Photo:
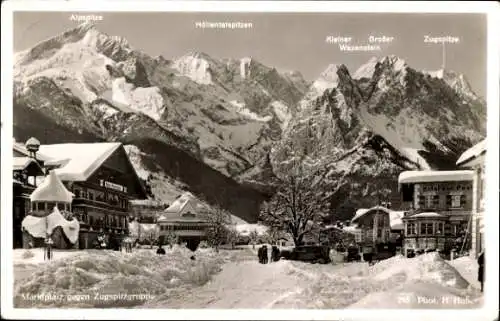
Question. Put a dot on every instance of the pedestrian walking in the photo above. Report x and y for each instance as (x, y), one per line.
(259, 255)
(480, 271)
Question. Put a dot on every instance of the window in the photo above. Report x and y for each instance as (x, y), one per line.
(411, 229)
(455, 201)
(428, 201)
(77, 192)
(440, 228)
(448, 200)
(435, 201)
(421, 201)
(426, 228)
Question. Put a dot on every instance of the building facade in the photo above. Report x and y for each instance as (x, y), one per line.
(474, 159)
(27, 166)
(103, 181)
(184, 221)
(101, 178)
(381, 229)
(439, 207)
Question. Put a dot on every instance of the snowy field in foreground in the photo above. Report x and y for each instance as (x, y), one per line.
(79, 275)
(234, 279)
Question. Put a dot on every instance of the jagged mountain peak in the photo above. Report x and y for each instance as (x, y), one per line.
(197, 66)
(367, 69)
(394, 61)
(329, 78)
(455, 80)
(83, 37)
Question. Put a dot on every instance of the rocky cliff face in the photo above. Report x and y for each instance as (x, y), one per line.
(361, 131)
(237, 124)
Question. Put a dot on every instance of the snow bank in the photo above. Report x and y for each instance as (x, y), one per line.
(397, 282)
(35, 256)
(102, 272)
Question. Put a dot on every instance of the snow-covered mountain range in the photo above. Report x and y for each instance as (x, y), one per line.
(224, 128)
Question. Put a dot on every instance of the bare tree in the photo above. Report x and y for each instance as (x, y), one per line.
(218, 219)
(171, 238)
(300, 204)
(232, 236)
(253, 237)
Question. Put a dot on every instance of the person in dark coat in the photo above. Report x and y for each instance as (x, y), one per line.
(275, 254)
(160, 251)
(480, 272)
(259, 255)
(265, 258)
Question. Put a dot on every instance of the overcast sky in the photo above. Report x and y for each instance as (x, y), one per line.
(286, 41)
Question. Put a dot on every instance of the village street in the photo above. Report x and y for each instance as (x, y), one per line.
(289, 284)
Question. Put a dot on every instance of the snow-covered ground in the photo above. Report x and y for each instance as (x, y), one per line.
(468, 268)
(73, 279)
(234, 279)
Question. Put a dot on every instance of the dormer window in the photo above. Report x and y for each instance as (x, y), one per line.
(189, 214)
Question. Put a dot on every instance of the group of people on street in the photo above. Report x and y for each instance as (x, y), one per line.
(263, 255)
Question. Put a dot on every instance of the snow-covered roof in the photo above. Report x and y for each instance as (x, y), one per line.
(20, 163)
(184, 204)
(147, 202)
(362, 211)
(51, 190)
(395, 217)
(246, 229)
(352, 229)
(39, 227)
(396, 220)
(434, 176)
(81, 159)
(21, 149)
(472, 152)
(427, 215)
(180, 203)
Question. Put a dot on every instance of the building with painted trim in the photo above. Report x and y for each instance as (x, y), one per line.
(185, 220)
(474, 159)
(439, 207)
(381, 228)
